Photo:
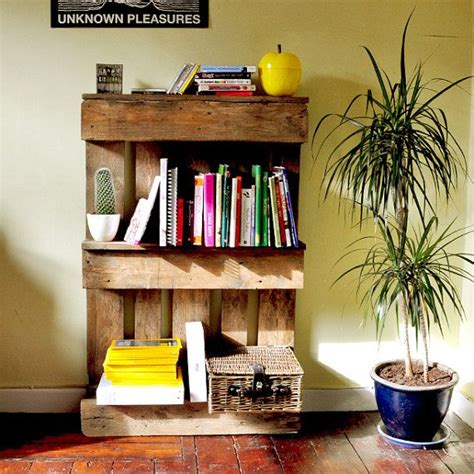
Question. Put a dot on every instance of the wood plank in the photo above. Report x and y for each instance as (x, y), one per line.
(148, 314)
(234, 315)
(189, 119)
(147, 166)
(276, 317)
(187, 419)
(216, 454)
(187, 270)
(189, 305)
(104, 323)
(112, 156)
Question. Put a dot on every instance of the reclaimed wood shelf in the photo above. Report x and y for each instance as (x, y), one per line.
(129, 134)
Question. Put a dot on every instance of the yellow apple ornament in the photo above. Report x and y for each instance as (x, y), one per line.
(280, 73)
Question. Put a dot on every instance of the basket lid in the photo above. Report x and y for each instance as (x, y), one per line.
(276, 360)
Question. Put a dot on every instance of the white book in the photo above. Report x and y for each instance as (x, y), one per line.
(163, 200)
(172, 211)
(218, 212)
(198, 208)
(233, 213)
(142, 213)
(246, 218)
(196, 355)
(109, 394)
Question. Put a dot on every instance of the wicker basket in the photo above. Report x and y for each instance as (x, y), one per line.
(255, 379)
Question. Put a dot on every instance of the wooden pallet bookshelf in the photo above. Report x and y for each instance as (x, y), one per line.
(129, 134)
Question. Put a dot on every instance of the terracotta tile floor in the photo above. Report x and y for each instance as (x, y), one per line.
(328, 442)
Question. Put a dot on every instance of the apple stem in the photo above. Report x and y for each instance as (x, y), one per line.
(279, 49)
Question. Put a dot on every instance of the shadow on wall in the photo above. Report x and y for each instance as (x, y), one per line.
(28, 330)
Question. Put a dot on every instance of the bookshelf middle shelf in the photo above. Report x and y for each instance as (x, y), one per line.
(118, 265)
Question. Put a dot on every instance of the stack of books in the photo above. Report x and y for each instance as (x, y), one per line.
(225, 80)
(141, 372)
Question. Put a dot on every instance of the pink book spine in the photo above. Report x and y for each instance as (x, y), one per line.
(209, 214)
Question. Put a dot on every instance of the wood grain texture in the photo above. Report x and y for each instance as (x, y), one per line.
(192, 270)
(187, 419)
(234, 315)
(189, 305)
(147, 166)
(148, 314)
(276, 317)
(104, 323)
(199, 118)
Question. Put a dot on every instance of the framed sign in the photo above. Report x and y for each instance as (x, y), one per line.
(129, 13)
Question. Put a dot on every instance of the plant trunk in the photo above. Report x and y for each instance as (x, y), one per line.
(404, 336)
(402, 215)
(424, 337)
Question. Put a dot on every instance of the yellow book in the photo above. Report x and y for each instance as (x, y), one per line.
(144, 348)
(137, 378)
(130, 369)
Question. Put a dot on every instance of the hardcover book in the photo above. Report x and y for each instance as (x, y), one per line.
(209, 214)
(160, 394)
(198, 208)
(274, 211)
(246, 217)
(196, 357)
(218, 207)
(163, 200)
(141, 216)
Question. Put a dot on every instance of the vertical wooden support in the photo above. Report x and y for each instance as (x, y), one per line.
(148, 314)
(276, 317)
(112, 156)
(189, 305)
(147, 166)
(104, 323)
(234, 315)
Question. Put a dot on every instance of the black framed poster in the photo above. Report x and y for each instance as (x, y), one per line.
(129, 13)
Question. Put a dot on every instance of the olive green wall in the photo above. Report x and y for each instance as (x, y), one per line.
(42, 177)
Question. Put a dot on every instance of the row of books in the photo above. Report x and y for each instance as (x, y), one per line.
(219, 80)
(219, 211)
(137, 372)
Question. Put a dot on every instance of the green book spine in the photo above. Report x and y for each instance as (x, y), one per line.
(265, 209)
(257, 174)
(226, 184)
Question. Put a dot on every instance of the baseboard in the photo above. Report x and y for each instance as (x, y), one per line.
(343, 399)
(41, 400)
(67, 400)
(463, 407)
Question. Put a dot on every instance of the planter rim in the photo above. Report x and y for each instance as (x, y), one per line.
(407, 388)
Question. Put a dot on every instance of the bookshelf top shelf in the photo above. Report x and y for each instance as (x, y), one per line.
(141, 118)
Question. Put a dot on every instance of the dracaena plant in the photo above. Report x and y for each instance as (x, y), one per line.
(392, 162)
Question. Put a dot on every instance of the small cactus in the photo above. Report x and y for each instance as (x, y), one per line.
(104, 192)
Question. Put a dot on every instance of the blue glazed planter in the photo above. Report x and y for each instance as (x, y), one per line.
(412, 413)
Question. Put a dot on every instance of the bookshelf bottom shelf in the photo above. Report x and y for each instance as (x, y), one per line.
(179, 420)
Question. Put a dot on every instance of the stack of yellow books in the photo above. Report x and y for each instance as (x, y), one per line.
(143, 362)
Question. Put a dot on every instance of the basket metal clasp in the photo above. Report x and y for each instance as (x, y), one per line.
(260, 387)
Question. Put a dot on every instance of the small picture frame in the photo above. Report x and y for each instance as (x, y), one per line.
(109, 78)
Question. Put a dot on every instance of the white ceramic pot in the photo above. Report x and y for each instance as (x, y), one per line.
(103, 227)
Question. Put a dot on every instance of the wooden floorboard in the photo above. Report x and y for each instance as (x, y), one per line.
(327, 443)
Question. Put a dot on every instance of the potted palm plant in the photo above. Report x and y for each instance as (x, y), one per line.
(391, 162)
